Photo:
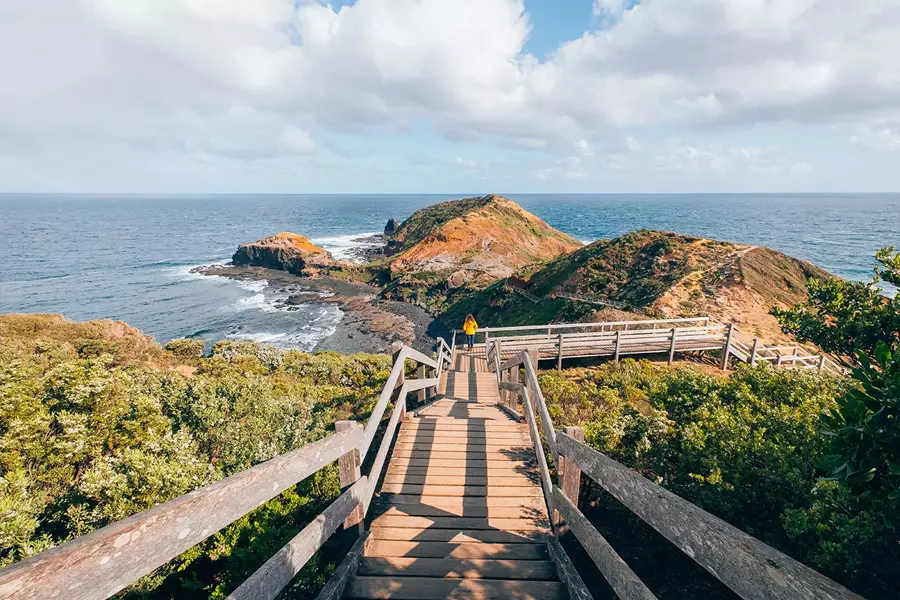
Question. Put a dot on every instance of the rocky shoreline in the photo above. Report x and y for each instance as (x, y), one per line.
(369, 324)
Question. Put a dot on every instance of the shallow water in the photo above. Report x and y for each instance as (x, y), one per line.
(130, 257)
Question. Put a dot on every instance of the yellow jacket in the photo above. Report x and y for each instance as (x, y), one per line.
(470, 327)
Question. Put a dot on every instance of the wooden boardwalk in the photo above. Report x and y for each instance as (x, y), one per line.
(460, 513)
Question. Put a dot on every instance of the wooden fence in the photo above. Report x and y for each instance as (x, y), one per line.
(752, 569)
(616, 339)
(106, 561)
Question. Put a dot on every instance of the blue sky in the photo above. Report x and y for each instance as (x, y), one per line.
(449, 96)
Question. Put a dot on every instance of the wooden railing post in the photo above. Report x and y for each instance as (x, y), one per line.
(487, 342)
(421, 396)
(559, 357)
(619, 343)
(514, 378)
(396, 348)
(672, 346)
(569, 479)
(753, 351)
(779, 360)
(349, 465)
(726, 350)
(821, 362)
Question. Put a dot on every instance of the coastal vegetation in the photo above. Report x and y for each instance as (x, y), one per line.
(745, 447)
(97, 422)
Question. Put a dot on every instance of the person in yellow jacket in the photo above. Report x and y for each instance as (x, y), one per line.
(469, 328)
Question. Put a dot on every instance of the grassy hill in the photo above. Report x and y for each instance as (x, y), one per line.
(454, 247)
(653, 273)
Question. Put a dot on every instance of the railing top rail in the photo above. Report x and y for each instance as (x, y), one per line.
(105, 561)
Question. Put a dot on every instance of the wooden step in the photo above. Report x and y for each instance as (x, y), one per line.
(463, 456)
(463, 445)
(464, 480)
(454, 502)
(454, 568)
(425, 459)
(501, 435)
(425, 588)
(482, 512)
(417, 549)
(460, 490)
(442, 424)
(464, 470)
(458, 522)
(458, 536)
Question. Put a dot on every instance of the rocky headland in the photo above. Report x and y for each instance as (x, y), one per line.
(469, 255)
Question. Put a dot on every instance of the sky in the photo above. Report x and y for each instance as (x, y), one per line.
(449, 96)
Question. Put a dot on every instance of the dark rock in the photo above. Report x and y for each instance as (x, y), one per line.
(287, 252)
(391, 227)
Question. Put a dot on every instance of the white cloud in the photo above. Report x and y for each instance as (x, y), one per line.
(584, 148)
(168, 73)
(465, 164)
(693, 160)
(297, 140)
(633, 144)
(879, 137)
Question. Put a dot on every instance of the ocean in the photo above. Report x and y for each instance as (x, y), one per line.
(130, 257)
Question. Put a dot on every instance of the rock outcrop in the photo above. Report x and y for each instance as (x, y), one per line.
(474, 241)
(390, 227)
(288, 252)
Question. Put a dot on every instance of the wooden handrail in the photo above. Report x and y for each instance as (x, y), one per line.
(103, 562)
(752, 569)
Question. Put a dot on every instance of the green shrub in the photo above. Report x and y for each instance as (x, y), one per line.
(186, 348)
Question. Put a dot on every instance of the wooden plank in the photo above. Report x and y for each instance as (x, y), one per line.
(465, 550)
(334, 587)
(422, 459)
(424, 588)
(466, 470)
(463, 445)
(459, 536)
(453, 568)
(477, 491)
(442, 435)
(460, 522)
(272, 577)
(621, 578)
(482, 512)
(752, 569)
(452, 503)
(416, 479)
(518, 454)
(101, 563)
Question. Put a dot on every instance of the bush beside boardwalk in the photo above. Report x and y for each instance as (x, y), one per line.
(97, 423)
(743, 447)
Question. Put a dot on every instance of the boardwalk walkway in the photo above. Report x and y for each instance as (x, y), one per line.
(460, 513)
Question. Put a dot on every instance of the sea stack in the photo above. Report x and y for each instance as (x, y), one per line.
(390, 227)
(287, 252)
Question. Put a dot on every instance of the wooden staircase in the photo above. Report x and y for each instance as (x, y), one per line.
(460, 513)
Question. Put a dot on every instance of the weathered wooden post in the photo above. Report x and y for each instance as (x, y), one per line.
(726, 349)
(618, 344)
(753, 351)
(779, 360)
(512, 397)
(560, 355)
(348, 466)
(821, 362)
(487, 343)
(396, 347)
(498, 360)
(569, 479)
(422, 394)
(672, 346)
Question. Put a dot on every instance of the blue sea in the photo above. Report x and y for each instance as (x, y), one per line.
(130, 257)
